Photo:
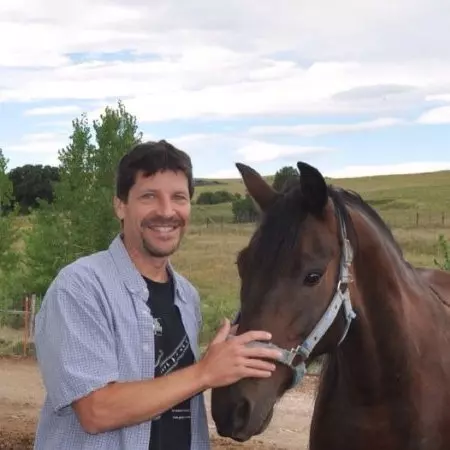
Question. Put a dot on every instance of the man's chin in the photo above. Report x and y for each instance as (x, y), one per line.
(161, 251)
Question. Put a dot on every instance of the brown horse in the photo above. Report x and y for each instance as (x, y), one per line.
(324, 274)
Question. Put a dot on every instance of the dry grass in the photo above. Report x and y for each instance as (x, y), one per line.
(207, 257)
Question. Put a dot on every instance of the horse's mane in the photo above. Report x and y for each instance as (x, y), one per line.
(343, 197)
(277, 233)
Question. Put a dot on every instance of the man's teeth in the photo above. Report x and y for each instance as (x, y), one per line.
(163, 229)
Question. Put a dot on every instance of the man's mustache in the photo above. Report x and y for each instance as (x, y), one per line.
(159, 221)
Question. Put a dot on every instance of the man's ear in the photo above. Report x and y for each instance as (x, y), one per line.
(119, 208)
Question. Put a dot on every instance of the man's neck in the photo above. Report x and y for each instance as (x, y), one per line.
(150, 267)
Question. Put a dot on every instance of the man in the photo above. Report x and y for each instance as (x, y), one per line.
(116, 336)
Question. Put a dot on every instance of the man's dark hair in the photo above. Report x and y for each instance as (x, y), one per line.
(149, 158)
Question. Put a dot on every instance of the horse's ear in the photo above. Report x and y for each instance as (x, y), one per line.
(314, 187)
(262, 193)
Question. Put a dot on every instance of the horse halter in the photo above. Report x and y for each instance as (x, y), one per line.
(341, 297)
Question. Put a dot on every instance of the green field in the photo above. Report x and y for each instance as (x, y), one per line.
(207, 256)
(417, 207)
(399, 198)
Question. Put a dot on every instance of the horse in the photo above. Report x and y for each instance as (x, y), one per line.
(324, 274)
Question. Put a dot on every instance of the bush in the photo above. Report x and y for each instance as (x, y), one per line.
(216, 197)
(444, 247)
(244, 210)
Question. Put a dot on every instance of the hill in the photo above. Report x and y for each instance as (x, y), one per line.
(426, 194)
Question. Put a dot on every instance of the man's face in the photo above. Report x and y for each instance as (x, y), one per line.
(157, 213)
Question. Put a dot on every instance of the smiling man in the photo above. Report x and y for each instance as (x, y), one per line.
(117, 333)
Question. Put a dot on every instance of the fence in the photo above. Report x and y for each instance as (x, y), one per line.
(17, 319)
(395, 219)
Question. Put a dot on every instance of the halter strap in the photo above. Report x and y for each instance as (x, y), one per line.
(341, 297)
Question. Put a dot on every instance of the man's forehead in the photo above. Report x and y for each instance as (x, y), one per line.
(162, 180)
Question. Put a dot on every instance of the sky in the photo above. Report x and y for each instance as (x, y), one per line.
(353, 88)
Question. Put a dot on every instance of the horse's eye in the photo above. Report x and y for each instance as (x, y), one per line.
(312, 278)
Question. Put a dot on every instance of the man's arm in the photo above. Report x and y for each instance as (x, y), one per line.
(129, 403)
(77, 356)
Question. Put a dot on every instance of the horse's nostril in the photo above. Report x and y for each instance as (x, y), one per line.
(241, 415)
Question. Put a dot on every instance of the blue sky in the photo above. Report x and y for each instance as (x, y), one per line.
(353, 90)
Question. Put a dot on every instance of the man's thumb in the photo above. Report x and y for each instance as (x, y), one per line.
(223, 332)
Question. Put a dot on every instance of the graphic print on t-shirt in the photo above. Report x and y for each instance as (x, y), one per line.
(171, 430)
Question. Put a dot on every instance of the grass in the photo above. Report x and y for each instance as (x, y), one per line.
(207, 255)
(207, 258)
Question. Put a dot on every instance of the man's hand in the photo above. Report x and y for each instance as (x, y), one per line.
(229, 360)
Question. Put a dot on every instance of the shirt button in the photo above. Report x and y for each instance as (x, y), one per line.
(146, 347)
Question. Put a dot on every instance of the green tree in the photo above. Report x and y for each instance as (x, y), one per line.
(32, 182)
(283, 176)
(81, 218)
(6, 188)
(444, 251)
(244, 210)
(215, 197)
(9, 232)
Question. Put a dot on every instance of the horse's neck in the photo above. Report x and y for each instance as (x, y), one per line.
(377, 382)
(395, 319)
(387, 344)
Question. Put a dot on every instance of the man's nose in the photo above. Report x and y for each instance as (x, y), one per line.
(165, 207)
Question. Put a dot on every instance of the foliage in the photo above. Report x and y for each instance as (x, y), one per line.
(216, 197)
(9, 234)
(81, 218)
(444, 247)
(31, 183)
(244, 210)
(6, 188)
(283, 176)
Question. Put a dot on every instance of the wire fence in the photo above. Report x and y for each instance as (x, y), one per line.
(17, 320)
(394, 218)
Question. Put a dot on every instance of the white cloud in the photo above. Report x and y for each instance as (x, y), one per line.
(53, 110)
(225, 173)
(311, 130)
(388, 169)
(436, 116)
(259, 151)
(212, 62)
(40, 143)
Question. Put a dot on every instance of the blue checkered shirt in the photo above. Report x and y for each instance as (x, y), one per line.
(94, 327)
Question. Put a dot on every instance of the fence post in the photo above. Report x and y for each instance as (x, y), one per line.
(32, 317)
(26, 327)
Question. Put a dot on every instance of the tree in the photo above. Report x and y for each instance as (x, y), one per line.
(81, 218)
(215, 197)
(31, 183)
(244, 210)
(283, 176)
(9, 233)
(6, 188)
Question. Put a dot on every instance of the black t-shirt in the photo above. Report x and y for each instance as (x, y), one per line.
(172, 430)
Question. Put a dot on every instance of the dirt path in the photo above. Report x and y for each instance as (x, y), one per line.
(22, 393)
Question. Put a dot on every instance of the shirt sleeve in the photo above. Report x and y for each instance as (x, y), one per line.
(74, 340)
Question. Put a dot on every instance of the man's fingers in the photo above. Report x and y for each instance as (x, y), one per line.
(250, 336)
(222, 333)
(255, 373)
(259, 365)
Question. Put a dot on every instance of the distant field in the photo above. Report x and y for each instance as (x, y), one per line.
(397, 197)
(207, 256)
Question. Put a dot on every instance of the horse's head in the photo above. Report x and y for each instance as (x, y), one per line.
(294, 274)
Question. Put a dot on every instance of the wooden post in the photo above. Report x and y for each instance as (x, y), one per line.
(26, 329)
(32, 317)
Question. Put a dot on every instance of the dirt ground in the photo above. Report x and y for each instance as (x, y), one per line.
(22, 393)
